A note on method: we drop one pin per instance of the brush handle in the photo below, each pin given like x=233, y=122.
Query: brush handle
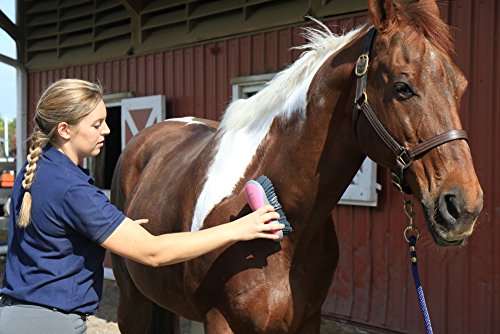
x=256, y=198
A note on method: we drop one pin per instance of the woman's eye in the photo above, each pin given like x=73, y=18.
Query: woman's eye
x=403, y=91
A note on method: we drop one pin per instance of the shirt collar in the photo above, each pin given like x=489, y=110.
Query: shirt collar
x=53, y=154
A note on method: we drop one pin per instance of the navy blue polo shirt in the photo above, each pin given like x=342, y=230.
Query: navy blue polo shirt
x=57, y=260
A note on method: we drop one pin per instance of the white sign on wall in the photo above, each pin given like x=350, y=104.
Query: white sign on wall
x=139, y=113
x=363, y=188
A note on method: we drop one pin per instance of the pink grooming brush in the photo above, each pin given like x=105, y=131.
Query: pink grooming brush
x=257, y=197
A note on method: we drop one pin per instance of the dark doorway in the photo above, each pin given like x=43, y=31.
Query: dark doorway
x=104, y=164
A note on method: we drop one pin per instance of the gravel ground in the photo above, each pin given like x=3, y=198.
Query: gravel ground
x=104, y=322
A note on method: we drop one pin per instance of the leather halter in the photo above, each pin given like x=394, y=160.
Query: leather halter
x=403, y=156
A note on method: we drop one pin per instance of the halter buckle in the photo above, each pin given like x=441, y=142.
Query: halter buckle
x=362, y=65
x=400, y=159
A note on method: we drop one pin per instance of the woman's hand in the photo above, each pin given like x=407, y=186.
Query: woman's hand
x=258, y=224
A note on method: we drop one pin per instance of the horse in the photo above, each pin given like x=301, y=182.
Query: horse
x=388, y=90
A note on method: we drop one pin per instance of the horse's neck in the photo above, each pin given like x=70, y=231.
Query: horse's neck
x=311, y=156
x=316, y=166
x=319, y=155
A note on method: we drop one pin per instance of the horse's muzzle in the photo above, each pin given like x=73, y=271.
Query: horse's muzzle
x=452, y=218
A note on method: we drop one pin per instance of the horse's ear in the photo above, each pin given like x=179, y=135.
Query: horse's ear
x=430, y=5
x=382, y=13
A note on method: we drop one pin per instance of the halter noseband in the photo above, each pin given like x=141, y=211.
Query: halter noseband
x=403, y=156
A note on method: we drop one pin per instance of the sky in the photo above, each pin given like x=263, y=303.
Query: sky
x=8, y=76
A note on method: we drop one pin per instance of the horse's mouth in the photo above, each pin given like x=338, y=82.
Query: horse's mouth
x=440, y=235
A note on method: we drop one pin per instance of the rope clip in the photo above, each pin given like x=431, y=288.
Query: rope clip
x=411, y=229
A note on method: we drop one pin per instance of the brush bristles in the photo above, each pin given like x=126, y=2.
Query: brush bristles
x=270, y=192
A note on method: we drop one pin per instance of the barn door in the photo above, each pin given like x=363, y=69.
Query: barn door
x=140, y=112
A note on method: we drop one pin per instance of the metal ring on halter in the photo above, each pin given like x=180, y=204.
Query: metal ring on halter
x=363, y=98
x=411, y=228
x=396, y=183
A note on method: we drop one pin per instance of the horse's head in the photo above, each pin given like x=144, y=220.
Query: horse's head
x=414, y=88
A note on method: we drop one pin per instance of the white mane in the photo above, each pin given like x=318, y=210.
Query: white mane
x=246, y=122
x=285, y=93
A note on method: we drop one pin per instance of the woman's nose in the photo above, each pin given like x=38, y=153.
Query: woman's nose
x=106, y=131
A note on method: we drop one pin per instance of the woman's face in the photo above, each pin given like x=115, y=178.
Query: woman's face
x=87, y=137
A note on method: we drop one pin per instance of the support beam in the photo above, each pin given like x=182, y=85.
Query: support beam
x=10, y=27
x=21, y=25
x=9, y=61
x=134, y=6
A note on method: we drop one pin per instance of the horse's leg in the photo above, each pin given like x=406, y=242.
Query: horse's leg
x=134, y=309
x=163, y=321
x=310, y=325
x=215, y=323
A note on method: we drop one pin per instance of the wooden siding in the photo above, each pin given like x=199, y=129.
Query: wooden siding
x=373, y=284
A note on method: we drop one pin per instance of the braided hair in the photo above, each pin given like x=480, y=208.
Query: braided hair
x=66, y=100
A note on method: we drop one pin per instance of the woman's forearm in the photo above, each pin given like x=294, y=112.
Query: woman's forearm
x=132, y=241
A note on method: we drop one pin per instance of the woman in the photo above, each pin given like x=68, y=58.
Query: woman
x=61, y=224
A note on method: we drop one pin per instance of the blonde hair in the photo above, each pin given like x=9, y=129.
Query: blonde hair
x=66, y=100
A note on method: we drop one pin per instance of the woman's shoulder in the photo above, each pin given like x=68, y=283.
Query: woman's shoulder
x=55, y=183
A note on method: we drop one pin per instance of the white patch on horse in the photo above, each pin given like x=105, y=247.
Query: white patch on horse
x=188, y=120
x=246, y=122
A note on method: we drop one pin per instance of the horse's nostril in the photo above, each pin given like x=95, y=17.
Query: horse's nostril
x=452, y=205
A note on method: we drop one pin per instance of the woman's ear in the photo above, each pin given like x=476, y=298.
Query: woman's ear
x=63, y=130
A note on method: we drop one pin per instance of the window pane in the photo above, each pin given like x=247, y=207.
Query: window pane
x=7, y=45
x=8, y=7
x=8, y=92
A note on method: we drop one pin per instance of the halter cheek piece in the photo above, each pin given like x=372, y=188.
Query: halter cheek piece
x=403, y=156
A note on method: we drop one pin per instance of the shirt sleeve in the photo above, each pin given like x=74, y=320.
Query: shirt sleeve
x=89, y=212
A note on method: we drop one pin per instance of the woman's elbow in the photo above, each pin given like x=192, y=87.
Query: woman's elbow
x=151, y=260
x=159, y=258
x=153, y=263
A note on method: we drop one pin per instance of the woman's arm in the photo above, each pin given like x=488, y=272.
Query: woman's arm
x=132, y=241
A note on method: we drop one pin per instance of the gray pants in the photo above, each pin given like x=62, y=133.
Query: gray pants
x=22, y=318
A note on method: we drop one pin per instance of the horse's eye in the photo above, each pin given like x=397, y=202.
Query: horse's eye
x=403, y=91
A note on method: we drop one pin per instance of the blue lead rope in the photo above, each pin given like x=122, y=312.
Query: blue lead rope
x=418, y=285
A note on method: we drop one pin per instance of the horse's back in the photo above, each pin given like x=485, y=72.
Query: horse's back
x=156, y=160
